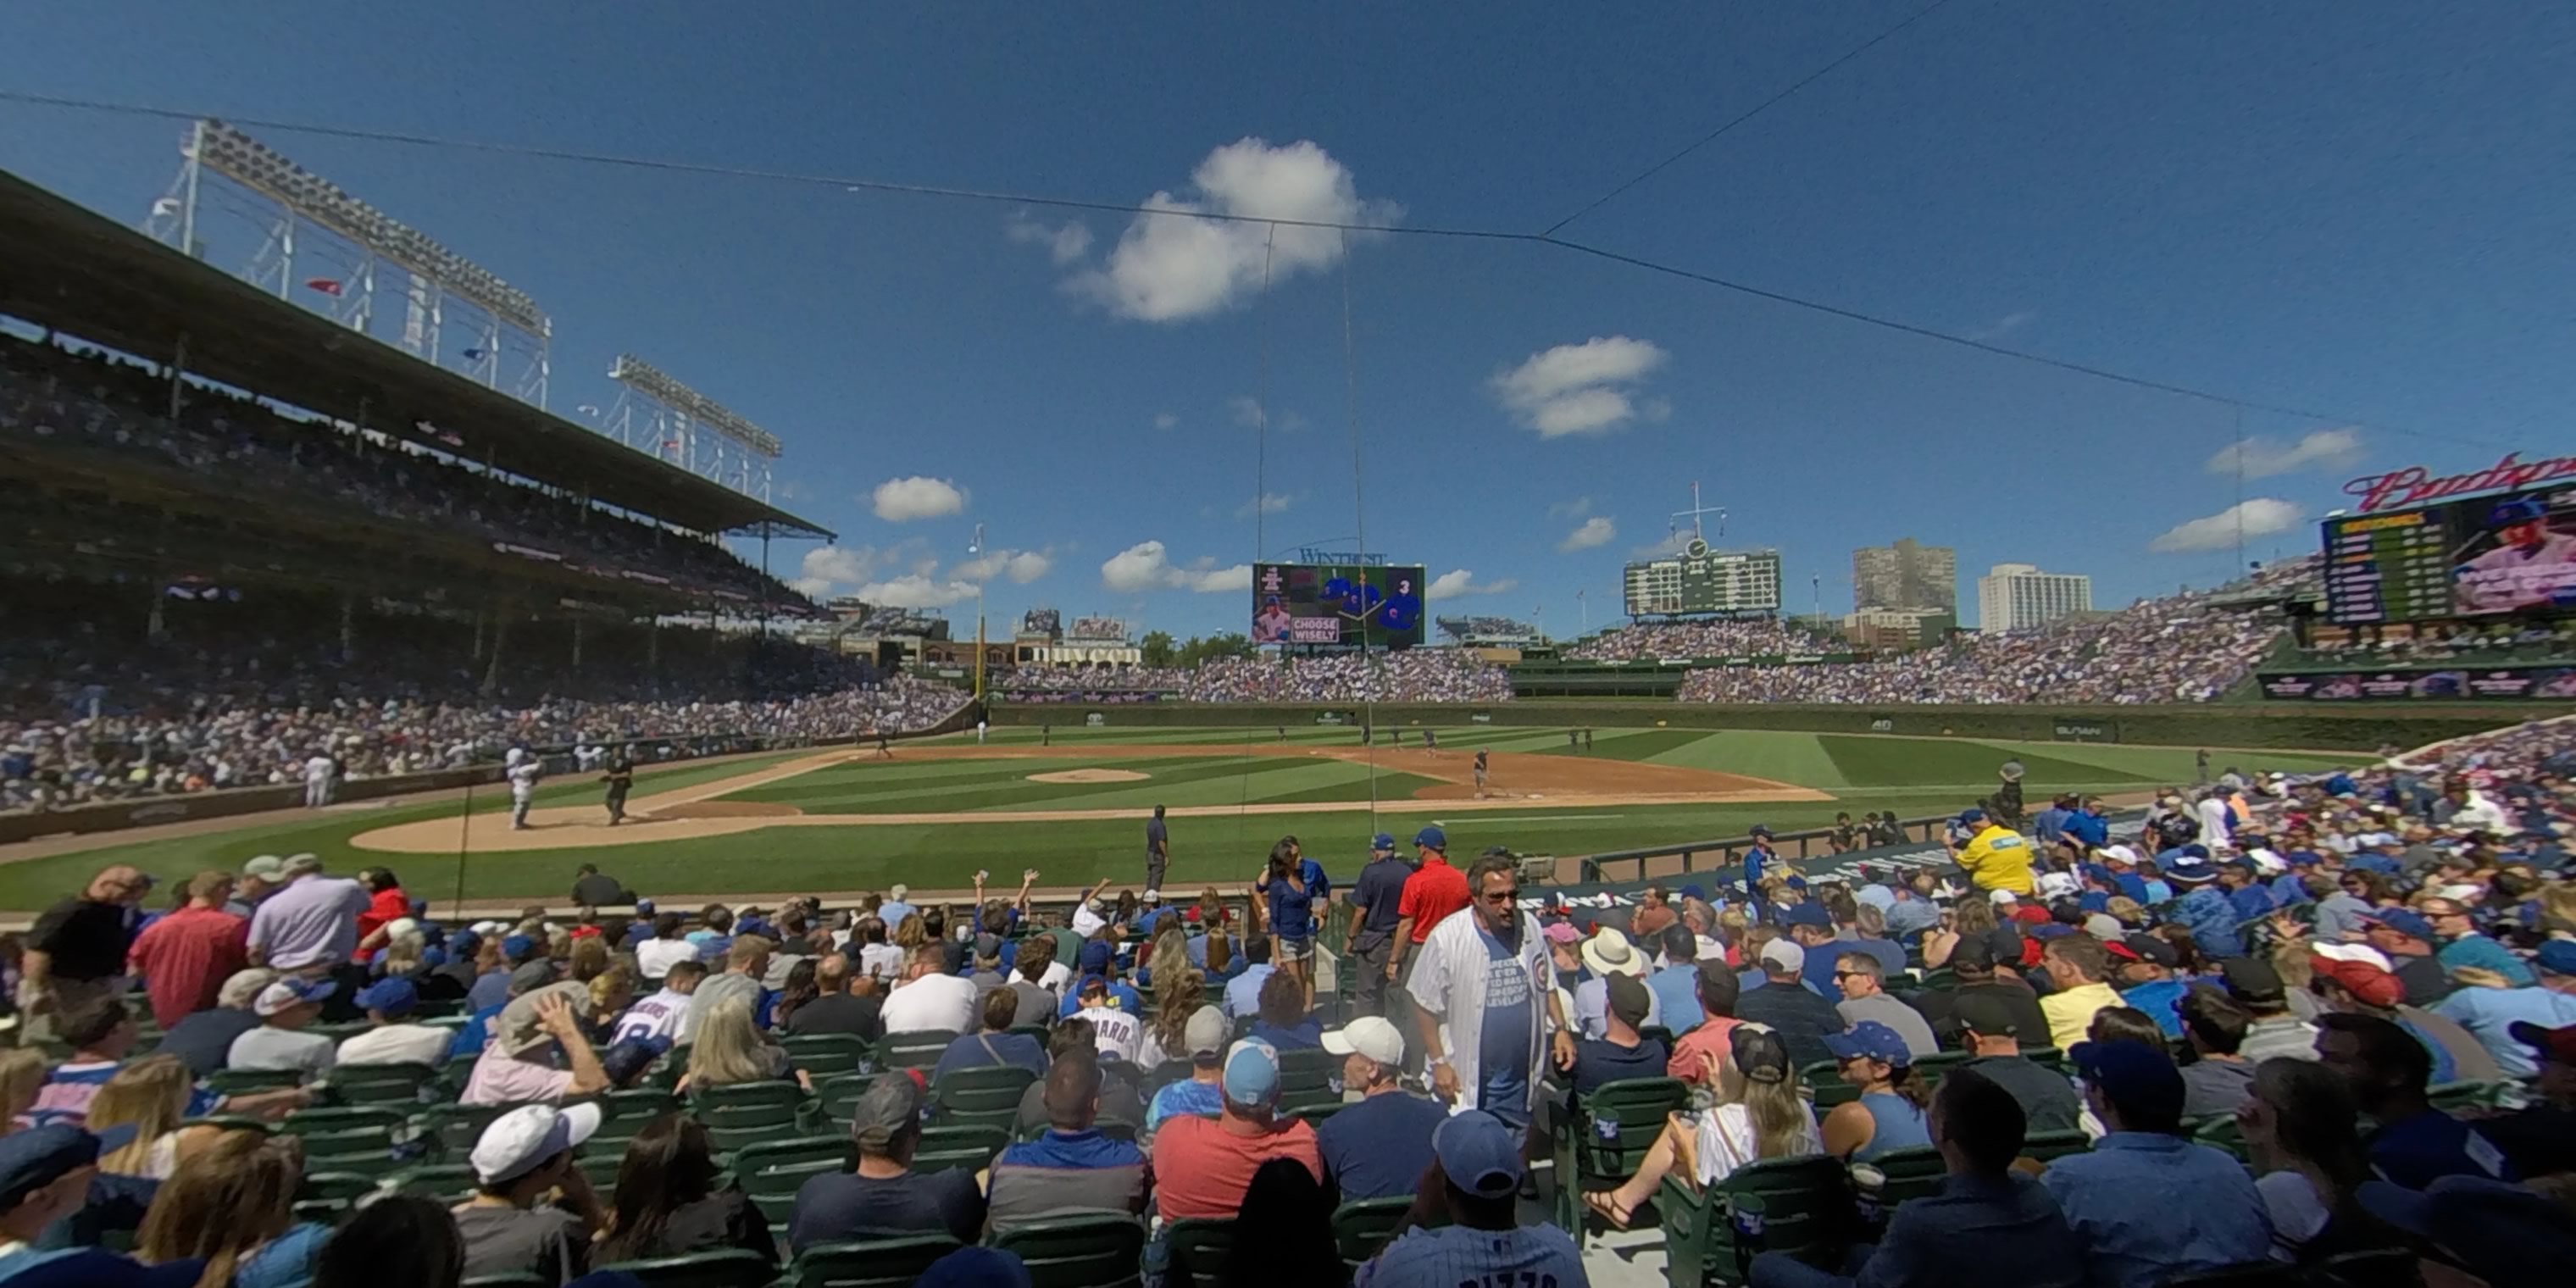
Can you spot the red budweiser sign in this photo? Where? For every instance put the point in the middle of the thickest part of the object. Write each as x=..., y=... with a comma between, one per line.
x=2415, y=485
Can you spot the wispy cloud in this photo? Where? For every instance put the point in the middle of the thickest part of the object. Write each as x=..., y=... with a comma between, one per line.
x=2262, y=457
x=1266, y=503
x=2004, y=326
x=1574, y=509
x=1596, y=531
x=1460, y=581
x=1582, y=388
x=2260, y=517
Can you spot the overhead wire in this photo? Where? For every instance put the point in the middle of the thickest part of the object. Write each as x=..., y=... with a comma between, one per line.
x=1639, y=262
x=1741, y=117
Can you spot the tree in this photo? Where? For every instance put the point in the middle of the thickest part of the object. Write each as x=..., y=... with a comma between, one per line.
x=1157, y=648
x=1214, y=646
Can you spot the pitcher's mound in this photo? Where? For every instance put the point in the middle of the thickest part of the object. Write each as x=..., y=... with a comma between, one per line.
x=1089, y=776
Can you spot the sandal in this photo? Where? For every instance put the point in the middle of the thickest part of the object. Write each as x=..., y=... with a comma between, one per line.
x=1606, y=1204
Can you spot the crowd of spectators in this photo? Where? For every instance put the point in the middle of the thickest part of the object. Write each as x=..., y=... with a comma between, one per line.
x=1746, y=637
x=1092, y=678
x=2293, y=1022
x=1412, y=675
x=2180, y=648
x=113, y=715
x=55, y=400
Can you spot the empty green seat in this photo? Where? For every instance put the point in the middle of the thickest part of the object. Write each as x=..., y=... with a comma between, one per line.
x=917, y=1049
x=826, y=1054
x=720, y=1268
x=238, y=1082
x=969, y=1147
x=398, y=1085
x=989, y=1096
x=1197, y=1250
x=1078, y=1252
x=1909, y=1173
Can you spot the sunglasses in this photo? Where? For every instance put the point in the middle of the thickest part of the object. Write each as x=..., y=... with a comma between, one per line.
x=1501, y=896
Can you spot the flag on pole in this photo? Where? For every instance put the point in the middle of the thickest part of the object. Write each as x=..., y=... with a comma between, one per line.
x=326, y=285
x=475, y=355
x=166, y=206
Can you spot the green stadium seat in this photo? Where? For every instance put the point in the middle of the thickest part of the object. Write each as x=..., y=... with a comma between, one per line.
x=343, y=1188
x=1315, y=1115
x=518, y=1280
x=1910, y=1174
x=326, y=1122
x=448, y=1182
x=1800, y=1206
x=1363, y=1226
x=455, y=1128
x=402, y=1086
x=770, y=1173
x=2049, y=1146
x=919, y=1049
x=239, y=1082
x=1078, y=1252
x=827, y=1054
x=835, y=1098
x=1306, y=1078
x=1931, y=1068
x=1602, y=1141
x=969, y=1147
x=871, y=1263
x=2219, y=1131
x=722, y=1268
x=1197, y=1250
x=987, y=1097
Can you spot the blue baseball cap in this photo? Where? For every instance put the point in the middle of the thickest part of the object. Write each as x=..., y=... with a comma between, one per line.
x=1807, y=914
x=1796, y=882
x=1971, y=815
x=419, y=908
x=433, y=957
x=1694, y=892
x=2521, y=509
x=392, y=995
x=2558, y=957
x=1094, y=958
x=1872, y=1039
x=1251, y=1073
x=1478, y=1154
x=2196, y=850
x=1381, y=841
x=2303, y=858
x=289, y=992
x=2133, y=1075
x=32, y=1159
x=643, y=907
x=518, y=948
x=2401, y=921
x=1431, y=838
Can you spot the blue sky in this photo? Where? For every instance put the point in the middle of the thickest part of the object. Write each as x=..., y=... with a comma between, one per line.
x=2355, y=208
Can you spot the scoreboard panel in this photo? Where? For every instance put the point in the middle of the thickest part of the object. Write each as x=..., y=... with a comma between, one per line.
x=2485, y=556
x=2388, y=567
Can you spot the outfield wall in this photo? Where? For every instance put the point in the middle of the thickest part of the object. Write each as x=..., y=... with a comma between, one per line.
x=2303, y=725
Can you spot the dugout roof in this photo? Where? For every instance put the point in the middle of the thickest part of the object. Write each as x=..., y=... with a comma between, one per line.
x=65, y=267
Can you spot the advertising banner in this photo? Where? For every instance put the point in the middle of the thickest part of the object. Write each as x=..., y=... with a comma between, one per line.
x=2444, y=686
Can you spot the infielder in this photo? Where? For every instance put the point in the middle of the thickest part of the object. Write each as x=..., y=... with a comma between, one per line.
x=318, y=772
x=621, y=778
x=522, y=769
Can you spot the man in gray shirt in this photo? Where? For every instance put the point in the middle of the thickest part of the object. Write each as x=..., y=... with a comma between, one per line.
x=312, y=924
x=284, y=1009
x=746, y=963
x=1865, y=997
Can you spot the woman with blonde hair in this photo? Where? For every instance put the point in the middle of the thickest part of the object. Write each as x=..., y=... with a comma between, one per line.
x=1974, y=917
x=1170, y=958
x=728, y=1051
x=1166, y=1036
x=1758, y=1113
x=910, y=935
x=22, y=1072
x=150, y=1095
x=232, y=1205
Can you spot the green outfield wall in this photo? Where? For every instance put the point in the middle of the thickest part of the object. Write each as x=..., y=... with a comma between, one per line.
x=2288, y=725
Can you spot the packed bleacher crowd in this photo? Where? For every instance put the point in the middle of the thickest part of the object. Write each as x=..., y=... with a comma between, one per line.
x=53, y=400
x=109, y=714
x=1748, y=637
x=2175, y=649
x=2316, y=1031
x=1091, y=678
x=1413, y=675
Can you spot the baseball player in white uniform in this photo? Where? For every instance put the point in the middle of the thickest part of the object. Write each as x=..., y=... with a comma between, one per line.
x=317, y=780
x=522, y=769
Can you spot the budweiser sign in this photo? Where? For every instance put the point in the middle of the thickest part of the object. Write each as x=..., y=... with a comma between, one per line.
x=2415, y=485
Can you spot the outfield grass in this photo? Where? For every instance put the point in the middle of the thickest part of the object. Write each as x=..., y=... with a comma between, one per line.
x=1912, y=776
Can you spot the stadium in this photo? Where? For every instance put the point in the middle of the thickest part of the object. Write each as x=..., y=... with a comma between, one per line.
x=916, y=950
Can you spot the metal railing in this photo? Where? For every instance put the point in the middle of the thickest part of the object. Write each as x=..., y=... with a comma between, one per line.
x=1730, y=850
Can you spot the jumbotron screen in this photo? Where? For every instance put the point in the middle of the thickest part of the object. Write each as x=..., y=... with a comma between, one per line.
x=1340, y=604
x=2475, y=558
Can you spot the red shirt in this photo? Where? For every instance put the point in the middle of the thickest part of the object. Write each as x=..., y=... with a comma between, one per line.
x=382, y=907
x=1433, y=892
x=1201, y=1169
x=185, y=957
x=1712, y=1037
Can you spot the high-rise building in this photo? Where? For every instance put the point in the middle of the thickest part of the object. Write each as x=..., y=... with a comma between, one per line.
x=2018, y=596
x=1905, y=575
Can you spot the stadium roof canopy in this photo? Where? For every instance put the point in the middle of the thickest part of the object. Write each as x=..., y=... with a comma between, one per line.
x=68, y=268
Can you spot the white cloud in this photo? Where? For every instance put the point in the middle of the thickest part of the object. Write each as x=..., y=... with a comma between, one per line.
x=2259, y=517
x=1574, y=509
x=1266, y=503
x=1459, y=581
x=1021, y=566
x=916, y=591
x=1596, y=531
x=1147, y=566
x=2264, y=457
x=1672, y=543
x=1581, y=388
x=1066, y=244
x=812, y=587
x=1245, y=410
x=917, y=497
x=2005, y=325
x=841, y=565
x=1165, y=420
x=1168, y=268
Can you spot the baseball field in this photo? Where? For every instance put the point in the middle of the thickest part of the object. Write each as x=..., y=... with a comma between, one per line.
x=1072, y=804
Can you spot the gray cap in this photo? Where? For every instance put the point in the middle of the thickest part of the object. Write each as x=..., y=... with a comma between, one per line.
x=532, y=976
x=890, y=1106
x=299, y=864
x=1206, y=1033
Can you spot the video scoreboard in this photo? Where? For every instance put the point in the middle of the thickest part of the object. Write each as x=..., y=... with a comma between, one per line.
x=2514, y=553
x=1338, y=605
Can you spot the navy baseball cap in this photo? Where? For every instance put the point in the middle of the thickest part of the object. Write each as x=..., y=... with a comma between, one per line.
x=1431, y=838
x=1478, y=1154
x=1807, y=914
x=32, y=1159
x=1971, y=815
x=2558, y=957
x=1094, y=958
x=1872, y=1039
x=644, y=907
x=1762, y=830
x=2133, y=1075
x=2521, y=509
x=392, y=995
x=519, y=948
x=2401, y=921
x=1381, y=841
